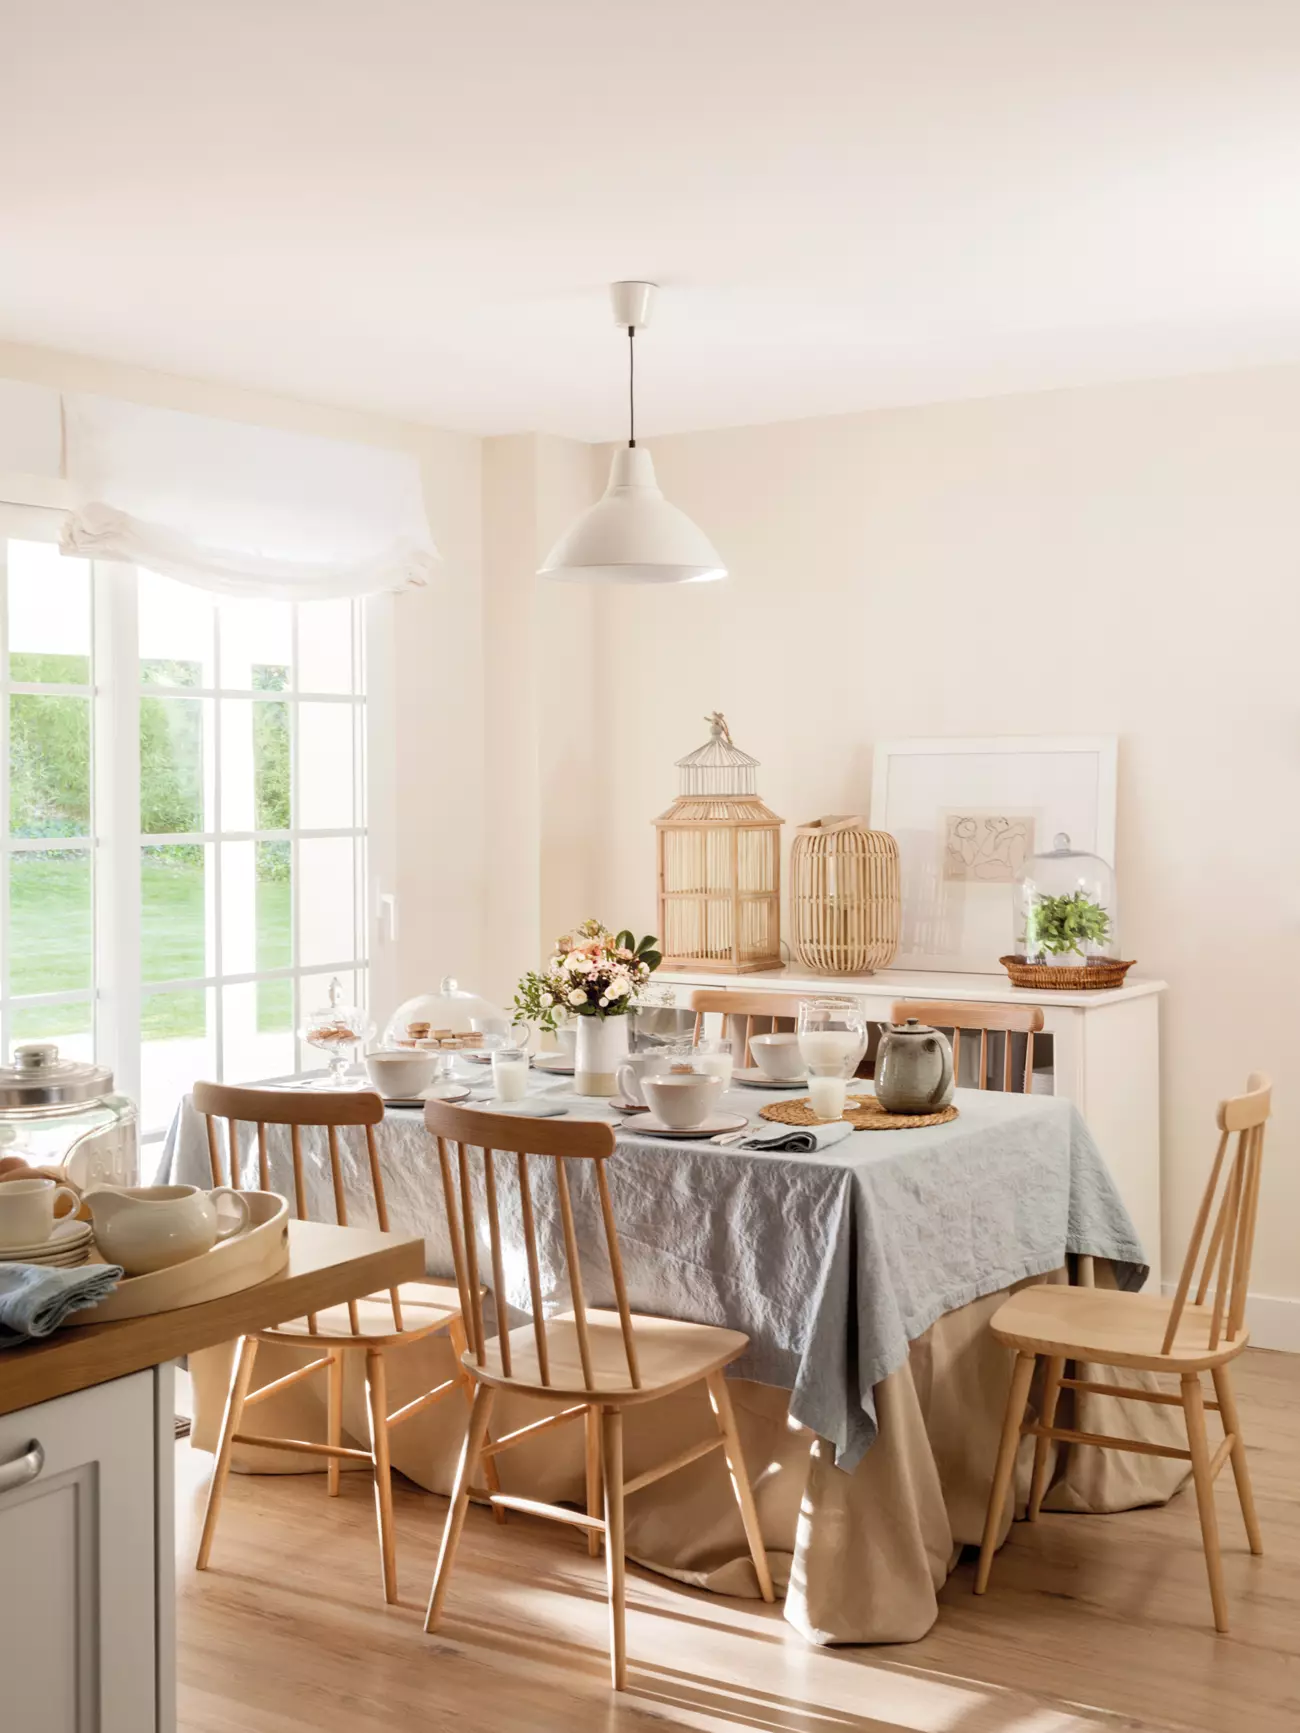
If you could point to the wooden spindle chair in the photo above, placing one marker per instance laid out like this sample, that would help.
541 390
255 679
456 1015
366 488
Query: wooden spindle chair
372 1326
978 1019
1153 1334
775 1010
597 1362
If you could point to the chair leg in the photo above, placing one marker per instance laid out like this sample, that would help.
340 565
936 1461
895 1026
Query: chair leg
243 1377
725 1416
460 1346
377 1394
333 1419
469 1451
1240 1469
1199 1444
611 1435
595 1496
1006 1463
1051 1395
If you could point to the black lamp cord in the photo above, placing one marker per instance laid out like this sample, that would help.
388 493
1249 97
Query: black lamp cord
631 385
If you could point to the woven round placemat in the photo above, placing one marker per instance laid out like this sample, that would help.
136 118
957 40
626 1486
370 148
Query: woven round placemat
863 1112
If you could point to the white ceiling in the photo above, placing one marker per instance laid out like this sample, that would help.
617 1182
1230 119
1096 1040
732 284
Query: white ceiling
415 205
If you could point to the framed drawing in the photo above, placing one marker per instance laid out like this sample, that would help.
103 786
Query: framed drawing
966 814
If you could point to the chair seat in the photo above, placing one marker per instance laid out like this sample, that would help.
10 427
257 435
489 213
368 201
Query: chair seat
426 1307
670 1355
1113 1328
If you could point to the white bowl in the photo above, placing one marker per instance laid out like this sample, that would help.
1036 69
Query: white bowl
404 1074
778 1057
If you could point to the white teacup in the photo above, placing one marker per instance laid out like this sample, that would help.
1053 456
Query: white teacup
634 1070
27 1210
682 1099
778 1057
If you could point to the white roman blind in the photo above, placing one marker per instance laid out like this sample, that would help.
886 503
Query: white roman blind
240 510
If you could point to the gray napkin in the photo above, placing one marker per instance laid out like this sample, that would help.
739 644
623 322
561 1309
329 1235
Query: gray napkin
799 1139
35 1300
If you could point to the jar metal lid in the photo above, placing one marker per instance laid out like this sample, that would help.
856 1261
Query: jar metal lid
39 1078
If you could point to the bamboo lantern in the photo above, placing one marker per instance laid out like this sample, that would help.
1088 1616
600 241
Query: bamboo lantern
845 901
719 864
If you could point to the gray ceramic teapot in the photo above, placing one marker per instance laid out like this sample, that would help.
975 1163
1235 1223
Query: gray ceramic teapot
913 1069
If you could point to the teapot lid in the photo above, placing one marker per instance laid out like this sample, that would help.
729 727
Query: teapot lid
910 1027
39 1078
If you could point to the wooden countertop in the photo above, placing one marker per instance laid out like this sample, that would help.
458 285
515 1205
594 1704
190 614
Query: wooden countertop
326 1265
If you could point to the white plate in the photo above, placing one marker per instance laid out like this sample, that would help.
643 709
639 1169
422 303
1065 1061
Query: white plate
715 1123
61 1261
757 1079
437 1092
66 1235
554 1062
534 1107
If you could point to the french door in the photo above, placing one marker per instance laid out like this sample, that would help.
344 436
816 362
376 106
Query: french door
184 858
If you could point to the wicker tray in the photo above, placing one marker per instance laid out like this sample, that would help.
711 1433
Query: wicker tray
864 1113
1091 978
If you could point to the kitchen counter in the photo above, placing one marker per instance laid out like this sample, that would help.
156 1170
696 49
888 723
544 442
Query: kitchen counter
326 1265
87 1599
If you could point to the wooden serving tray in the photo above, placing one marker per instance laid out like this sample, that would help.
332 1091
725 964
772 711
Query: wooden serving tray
256 1254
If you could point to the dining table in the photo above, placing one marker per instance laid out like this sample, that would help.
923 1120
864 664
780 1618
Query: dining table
864 1274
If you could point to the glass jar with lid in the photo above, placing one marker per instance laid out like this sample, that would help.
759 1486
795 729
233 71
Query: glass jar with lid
1066 910
58 1112
337 1030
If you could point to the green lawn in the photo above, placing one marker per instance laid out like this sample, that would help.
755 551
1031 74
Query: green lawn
50 942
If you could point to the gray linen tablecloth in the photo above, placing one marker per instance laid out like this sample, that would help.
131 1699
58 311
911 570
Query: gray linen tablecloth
831 1263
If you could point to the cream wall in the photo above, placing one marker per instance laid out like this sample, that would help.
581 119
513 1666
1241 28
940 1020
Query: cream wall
1120 560
426 673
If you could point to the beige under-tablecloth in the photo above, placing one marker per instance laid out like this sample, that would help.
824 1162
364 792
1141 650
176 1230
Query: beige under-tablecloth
861 1556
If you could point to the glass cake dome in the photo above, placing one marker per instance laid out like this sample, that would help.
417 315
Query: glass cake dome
448 1018
1065 908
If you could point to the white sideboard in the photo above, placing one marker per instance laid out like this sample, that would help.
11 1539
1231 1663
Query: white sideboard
1105 1056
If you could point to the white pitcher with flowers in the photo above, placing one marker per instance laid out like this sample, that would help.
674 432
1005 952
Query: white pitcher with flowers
594 978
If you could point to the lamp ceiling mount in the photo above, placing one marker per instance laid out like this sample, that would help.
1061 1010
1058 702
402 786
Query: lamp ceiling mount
633 304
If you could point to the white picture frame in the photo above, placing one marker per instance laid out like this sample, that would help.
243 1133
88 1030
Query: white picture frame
965 812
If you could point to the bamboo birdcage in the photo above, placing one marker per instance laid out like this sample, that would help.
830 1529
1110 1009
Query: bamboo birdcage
845 900
719 864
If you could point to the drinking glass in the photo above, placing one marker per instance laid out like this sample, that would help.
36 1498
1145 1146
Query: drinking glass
832 1031
510 1073
716 1057
828 1090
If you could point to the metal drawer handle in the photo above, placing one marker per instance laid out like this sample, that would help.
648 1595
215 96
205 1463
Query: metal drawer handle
23 1469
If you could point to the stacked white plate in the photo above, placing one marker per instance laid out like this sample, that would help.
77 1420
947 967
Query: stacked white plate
71 1243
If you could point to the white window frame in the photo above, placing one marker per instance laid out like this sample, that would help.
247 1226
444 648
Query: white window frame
117 992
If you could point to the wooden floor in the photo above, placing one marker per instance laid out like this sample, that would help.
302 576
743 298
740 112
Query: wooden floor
1091 1625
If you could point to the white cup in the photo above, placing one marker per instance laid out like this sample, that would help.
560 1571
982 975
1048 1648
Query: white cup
778 1057
634 1070
682 1099
27 1210
828 1090
510 1073
714 1056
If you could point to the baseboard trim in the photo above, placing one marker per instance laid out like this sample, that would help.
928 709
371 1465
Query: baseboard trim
1273 1322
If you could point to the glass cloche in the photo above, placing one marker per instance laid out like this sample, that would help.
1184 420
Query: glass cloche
63 1113
448 1019
1066 912
337 1030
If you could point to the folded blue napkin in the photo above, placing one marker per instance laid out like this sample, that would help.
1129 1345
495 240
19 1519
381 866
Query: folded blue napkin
35 1300
799 1139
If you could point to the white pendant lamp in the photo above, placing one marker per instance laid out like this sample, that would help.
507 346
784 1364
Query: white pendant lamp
632 535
